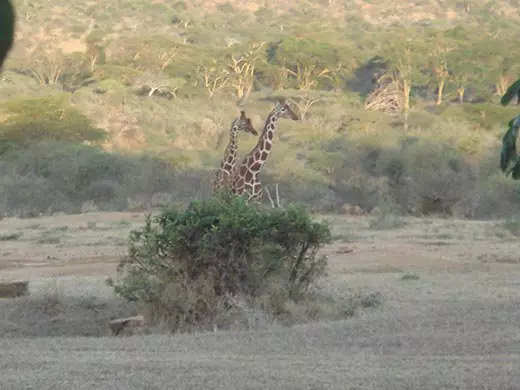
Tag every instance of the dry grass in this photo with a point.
(448, 320)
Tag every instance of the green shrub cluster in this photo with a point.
(190, 265)
(417, 176)
(50, 177)
(30, 120)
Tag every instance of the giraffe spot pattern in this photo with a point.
(245, 176)
(256, 166)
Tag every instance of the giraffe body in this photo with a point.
(245, 180)
(221, 177)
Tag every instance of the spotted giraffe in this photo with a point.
(221, 177)
(245, 178)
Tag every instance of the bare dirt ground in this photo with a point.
(449, 318)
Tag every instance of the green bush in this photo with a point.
(418, 176)
(48, 118)
(69, 176)
(188, 263)
(425, 177)
(488, 116)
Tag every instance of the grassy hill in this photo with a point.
(167, 78)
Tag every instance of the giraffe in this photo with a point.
(245, 178)
(221, 177)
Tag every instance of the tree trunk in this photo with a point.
(440, 90)
(502, 85)
(460, 94)
(406, 95)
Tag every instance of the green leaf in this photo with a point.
(7, 22)
(508, 152)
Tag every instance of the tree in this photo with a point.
(213, 77)
(464, 63)
(497, 55)
(47, 65)
(154, 53)
(157, 83)
(386, 97)
(407, 59)
(95, 53)
(159, 58)
(439, 62)
(463, 70)
(187, 264)
(46, 118)
(308, 61)
(242, 69)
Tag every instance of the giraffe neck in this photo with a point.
(258, 156)
(228, 161)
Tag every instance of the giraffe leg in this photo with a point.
(258, 190)
(253, 191)
(249, 191)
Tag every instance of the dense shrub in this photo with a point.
(487, 116)
(31, 120)
(190, 265)
(49, 177)
(418, 176)
(426, 177)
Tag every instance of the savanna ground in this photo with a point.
(133, 101)
(450, 305)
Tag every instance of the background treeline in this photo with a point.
(127, 104)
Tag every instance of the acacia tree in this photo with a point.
(496, 53)
(242, 69)
(95, 53)
(156, 57)
(465, 65)
(464, 70)
(153, 83)
(308, 61)
(153, 53)
(439, 62)
(407, 61)
(47, 66)
(213, 77)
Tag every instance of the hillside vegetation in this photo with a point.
(126, 104)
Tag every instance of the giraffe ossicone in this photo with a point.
(245, 180)
(222, 175)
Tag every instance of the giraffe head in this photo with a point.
(283, 110)
(243, 123)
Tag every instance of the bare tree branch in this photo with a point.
(157, 83)
(213, 78)
(274, 204)
(386, 97)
